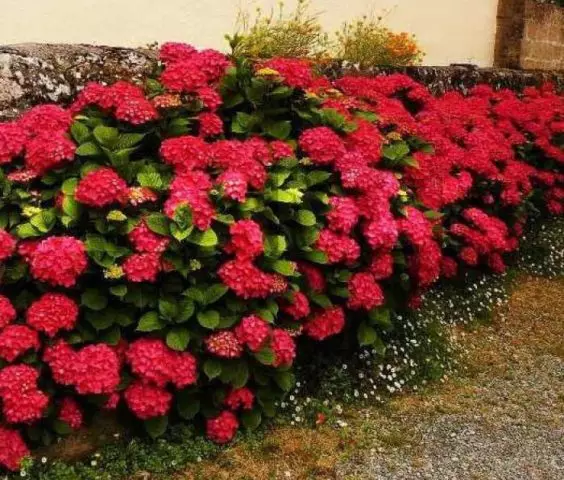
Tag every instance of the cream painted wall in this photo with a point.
(450, 31)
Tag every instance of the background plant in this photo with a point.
(299, 34)
(367, 42)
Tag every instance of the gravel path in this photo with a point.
(504, 420)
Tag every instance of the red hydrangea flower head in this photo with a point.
(147, 401)
(47, 151)
(281, 150)
(253, 332)
(102, 187)
(338, 247)
(224, 344)
(322, 145)
(294, 72)
(314, 276)
(382, 265)
(222, 428)
(12, 449)
(234, 185)
(7, 245)
(145, 240)
(98, 370)
(70, 413)
(248, 281)
(449, 267)
(326, 323)
(283, 346)
(52, 313)
(26, 248)
(151, 360)
(210, 124)
(136, 110)
(45, 118)
(7, 312)
(59, 261)
(364, 292)
(185, 153)
(239, 398)
(184, 369)
(12, 141)
(171, 52)
(15, 340)
(246, 239)
(297, 307)
(142, 267)
(343, 215)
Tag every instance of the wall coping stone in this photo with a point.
(31, 74)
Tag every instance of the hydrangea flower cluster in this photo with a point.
(174, 245)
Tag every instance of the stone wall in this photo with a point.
(530, 35)
(41, 73)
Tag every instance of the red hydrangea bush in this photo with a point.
(167, 251)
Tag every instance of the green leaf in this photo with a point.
(433, 215)
(366, 335)
(317, 257)
(158, 223)
(128, 140)
(69, 186)
(244, 123)
(44, 221)
(278, 178)
(289, 195)
(119, 290)
(285, 380)
(240, 374)
(88, 149)
(106, 136)
(284, 267)
(180, 234)
(274, 245)
(61, 428)
(100, 320)
(279, 130)
(251, 419)
(381, 317)
(212, 368)
(185, 310)
(195, 294)
(208, 319)
(79, 132)
(306, 218)
(214, 293)
(151, 180)
(317, 176)
(27, 230)
(94, 299)
(150, 322)
(410, 162)
(396, 151)
(168, 308)
(156, 426)
(320, 299)
(208, 238)
(71, 207)
(178, 339)
(187, 404)
(265, 356)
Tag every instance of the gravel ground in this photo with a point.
(505, 420)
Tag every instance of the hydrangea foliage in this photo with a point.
(167, 249)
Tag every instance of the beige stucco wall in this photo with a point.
(460, 31)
